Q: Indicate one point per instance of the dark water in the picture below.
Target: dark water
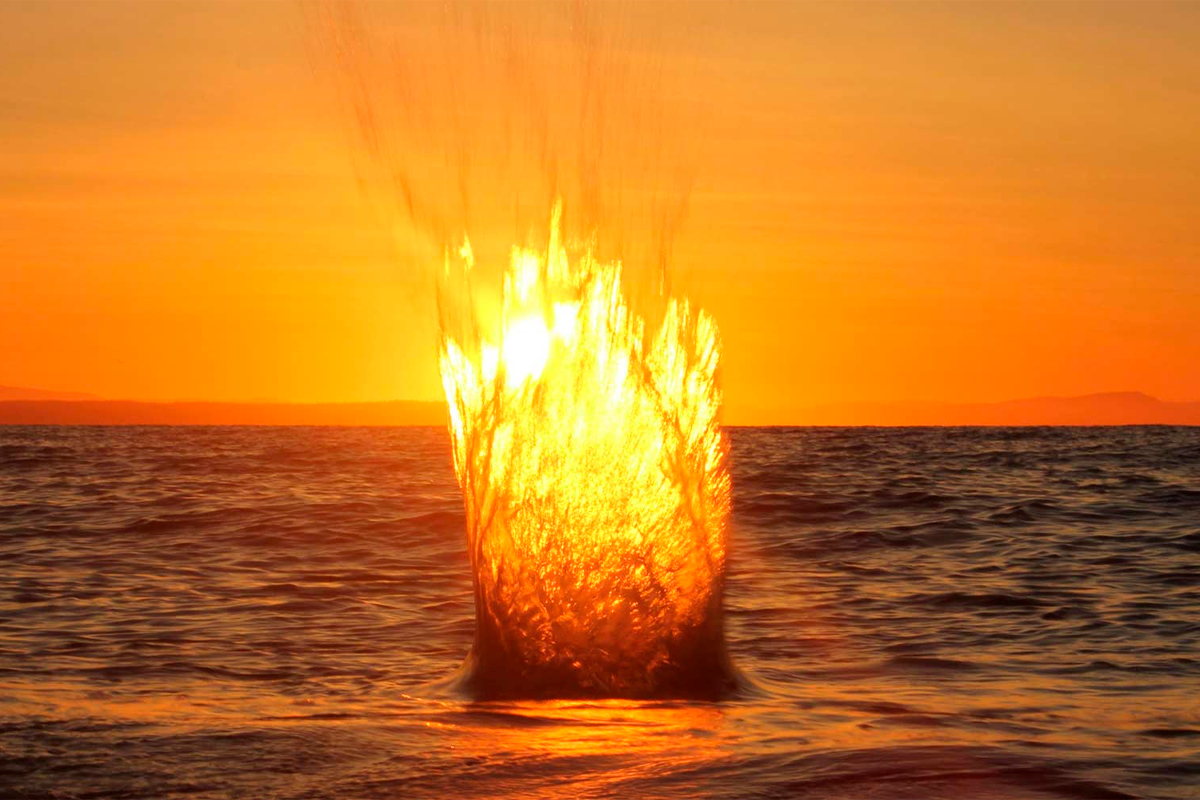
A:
(257, 612)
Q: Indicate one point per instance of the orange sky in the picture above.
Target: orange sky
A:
(893, 200)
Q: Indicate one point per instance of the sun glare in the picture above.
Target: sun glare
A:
(526, 347)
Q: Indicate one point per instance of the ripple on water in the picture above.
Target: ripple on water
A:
(274, 612)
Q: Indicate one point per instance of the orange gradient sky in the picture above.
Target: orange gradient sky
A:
(952, 201)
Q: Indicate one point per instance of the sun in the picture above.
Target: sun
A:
(526, 349)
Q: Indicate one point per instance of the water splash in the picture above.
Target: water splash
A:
(593, 473)
(477, 117)
(584, 413)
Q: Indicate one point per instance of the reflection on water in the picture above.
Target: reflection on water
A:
(922, 613)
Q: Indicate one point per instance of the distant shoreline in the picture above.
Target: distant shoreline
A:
(128, 412)
(1108, 409)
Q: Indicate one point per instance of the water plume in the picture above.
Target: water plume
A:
(593, 473)
(583, 403)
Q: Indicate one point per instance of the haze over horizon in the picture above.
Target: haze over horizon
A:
(33, 406)
(8, 392)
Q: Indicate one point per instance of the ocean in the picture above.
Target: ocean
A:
(255, 612)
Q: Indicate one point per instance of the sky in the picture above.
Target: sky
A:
(884, 201)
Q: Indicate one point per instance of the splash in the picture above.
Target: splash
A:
(593, 471)
(583, 399)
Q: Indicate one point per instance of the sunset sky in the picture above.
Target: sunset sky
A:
(954, 201)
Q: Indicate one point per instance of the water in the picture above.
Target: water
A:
(919, 613)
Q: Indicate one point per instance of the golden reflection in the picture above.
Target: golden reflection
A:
(624, 742)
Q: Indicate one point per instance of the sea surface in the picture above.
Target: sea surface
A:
(917, 613)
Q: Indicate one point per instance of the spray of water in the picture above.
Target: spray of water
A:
(583, 399)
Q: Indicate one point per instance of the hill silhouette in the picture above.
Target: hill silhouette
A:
(1105, 408)
(1108, 408)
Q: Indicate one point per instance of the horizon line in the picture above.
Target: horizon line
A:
(68, 395)
(1104, 408)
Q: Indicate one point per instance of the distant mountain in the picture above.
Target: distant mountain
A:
(24, 393)
(1111, 408)
(127, 412)
(1108, 408)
